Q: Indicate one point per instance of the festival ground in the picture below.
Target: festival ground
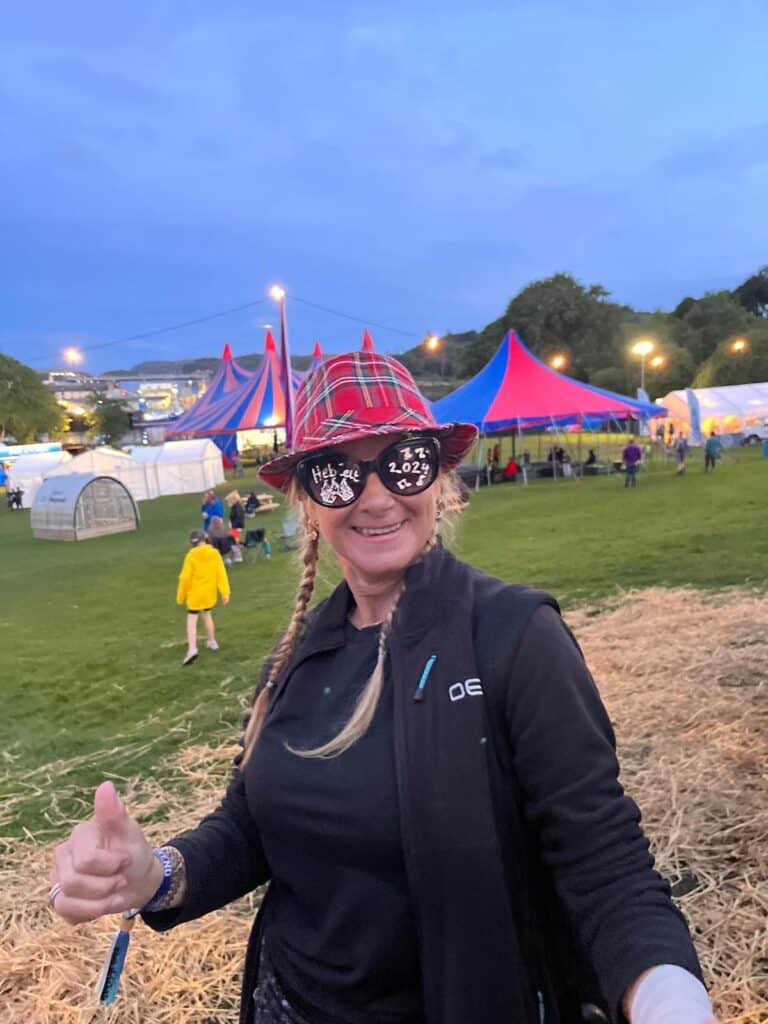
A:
(91, 651)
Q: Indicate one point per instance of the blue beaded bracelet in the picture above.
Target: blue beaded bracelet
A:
(165, 884)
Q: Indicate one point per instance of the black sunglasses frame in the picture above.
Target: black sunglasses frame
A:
(365, 467)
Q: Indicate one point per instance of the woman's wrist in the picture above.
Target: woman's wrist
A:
(169, 873)
(152, 881)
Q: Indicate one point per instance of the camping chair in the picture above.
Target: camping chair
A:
(255, 544)
(289, 534)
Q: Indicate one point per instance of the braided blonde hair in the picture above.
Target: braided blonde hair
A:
(450, 504)
(310, 541)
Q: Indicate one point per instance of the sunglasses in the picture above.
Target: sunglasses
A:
(407, 467)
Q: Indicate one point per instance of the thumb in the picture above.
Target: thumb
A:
(109, 812)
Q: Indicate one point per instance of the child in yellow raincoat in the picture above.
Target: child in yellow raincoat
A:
(202, 578)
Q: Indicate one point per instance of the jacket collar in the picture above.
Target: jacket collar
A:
(325, 628)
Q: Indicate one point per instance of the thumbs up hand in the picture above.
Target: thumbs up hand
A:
(106, 866)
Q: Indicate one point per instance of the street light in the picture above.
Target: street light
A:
(658, 361)
(277, 293)
(642, 347)
(72, 355)
(558, 362)
(434, 344)
(739, 346)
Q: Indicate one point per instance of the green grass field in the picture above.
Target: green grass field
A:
(92, 640)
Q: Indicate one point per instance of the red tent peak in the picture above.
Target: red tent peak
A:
(367, 341)
(227, 353)
(269, 342)
(317, 352)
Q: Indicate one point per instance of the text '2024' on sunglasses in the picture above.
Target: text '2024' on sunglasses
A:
(406, 467)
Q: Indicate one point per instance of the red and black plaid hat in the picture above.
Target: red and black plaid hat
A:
(358, 395)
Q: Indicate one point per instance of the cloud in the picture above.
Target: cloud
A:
(505, 158)
(106, 86)
(726, 157)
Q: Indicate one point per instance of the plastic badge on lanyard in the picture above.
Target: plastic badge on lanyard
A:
(109, 979)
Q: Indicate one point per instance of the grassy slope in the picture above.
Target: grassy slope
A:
(92, 642)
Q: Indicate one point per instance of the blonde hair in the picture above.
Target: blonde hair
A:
(451, 502)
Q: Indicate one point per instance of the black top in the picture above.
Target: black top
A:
(237, 516)
(340, 931)
(461, 852)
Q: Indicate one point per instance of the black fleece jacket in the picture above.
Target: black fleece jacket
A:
(492, 763)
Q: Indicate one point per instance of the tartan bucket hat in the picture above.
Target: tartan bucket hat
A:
(359, 395)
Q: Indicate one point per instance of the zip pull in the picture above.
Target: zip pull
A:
(419, 692)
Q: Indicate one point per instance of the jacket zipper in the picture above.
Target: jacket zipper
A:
(419, 692)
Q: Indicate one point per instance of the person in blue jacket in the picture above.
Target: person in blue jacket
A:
(211, 507)
(428, 779)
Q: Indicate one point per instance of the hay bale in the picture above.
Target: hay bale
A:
(685, 679)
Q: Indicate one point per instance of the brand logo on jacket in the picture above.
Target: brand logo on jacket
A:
(469, 688)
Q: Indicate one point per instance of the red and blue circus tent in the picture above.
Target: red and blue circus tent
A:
(229, 376)
(317, 357)
(516, 391)
(367, 345)
(258, 402)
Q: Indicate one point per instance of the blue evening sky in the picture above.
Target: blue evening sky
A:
(410, 163)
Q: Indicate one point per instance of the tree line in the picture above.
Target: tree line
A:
(28, 409)
(720, 338)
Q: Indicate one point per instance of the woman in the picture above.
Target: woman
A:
(236, 513)
(428, 773)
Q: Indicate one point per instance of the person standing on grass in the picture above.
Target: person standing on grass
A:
(682, 450)
(202, 578)
(631, 457)
(712, 451)
(428, 777)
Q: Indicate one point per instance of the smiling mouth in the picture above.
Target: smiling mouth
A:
(377, 531)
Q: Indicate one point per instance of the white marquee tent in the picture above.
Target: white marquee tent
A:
(181, 467)
(29, 471)
(105, 461)
(78, 506)
(730, 409)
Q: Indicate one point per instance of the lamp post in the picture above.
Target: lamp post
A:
(277, 293)
(643, 347)
(72, 355)
(558, 362)
(435, 344)
(739, 346)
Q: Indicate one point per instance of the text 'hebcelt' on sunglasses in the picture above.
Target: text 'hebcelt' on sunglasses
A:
(407, 467)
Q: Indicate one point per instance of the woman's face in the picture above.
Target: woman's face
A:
(381, 533)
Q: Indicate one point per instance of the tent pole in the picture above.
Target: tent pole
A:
(480, 446)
